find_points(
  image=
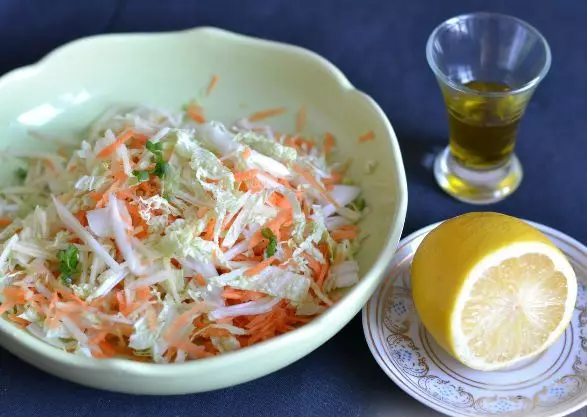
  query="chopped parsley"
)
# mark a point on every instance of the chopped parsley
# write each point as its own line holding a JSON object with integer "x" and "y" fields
{"x": 21, "y": 174}
{"x": 161, "y": 167}
{"x": 272, "y": 246}
{"x": 154, "y": 147}
{"x": 359, "y": 204}
{"x": 141, "y": 175}
{"x": 68, "y": 263}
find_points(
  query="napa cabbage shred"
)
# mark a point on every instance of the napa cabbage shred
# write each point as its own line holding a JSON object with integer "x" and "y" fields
{"x": 165, "y": 237}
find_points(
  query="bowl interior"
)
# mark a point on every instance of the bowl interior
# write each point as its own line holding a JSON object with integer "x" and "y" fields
{"x": 62, "y": 94}
{"x": 62, "y": 100}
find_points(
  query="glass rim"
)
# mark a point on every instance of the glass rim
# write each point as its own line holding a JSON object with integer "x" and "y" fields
{"x": 464, "y": 89}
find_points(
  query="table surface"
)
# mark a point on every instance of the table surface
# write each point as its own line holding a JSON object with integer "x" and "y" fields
{"x": 379, "y": 45}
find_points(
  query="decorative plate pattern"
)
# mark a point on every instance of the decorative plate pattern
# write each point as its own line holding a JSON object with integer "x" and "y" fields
{"x": 551, "y": 385}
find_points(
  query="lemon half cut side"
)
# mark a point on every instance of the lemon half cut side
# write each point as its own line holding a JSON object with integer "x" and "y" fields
{"x": 492, "y": 290}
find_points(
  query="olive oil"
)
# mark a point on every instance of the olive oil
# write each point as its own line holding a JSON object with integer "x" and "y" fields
{"x": 483, "y": 128}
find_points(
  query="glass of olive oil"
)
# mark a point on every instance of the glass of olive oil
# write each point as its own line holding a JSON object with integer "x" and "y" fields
{"x": 488, "y": 66}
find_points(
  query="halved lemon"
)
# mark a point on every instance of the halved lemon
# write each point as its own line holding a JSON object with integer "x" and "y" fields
{"x": 492, "y": 290}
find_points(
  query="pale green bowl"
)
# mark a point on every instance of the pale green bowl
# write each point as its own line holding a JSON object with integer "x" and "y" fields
{"x": 66, "y": 90}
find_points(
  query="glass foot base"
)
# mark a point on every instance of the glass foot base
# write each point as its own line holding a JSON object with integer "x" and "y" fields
{"x": 477, "y": 186}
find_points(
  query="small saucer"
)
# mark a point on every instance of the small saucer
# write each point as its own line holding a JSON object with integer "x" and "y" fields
{"x": 551, "y": 385}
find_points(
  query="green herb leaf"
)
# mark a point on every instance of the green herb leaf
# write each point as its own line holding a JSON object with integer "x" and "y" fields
{"x": 141, "y": 175}
{"x": 272, "y": 246}
{"x": 21, "y": 174}
{"x": 160, "y": 169}
{"x": 359, "y": 203}
{"x": 68, "y": 263}
{"x": 154, "y": 147}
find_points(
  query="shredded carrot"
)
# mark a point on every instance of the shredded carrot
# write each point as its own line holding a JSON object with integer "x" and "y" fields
{"x": 107, "y": 349}
{"x": 256, "y": 239}
{"x": 110, "y": 149}
{"x": 200, "y": 322}
{"x": 275, "y": 224}
{"x": 314, "y": 265}
{"x": 301, "y": 119}
{"x": 305, "y": 144}
{"x": 255, "y": 185}
{"x": 328, "y": 143}
{"x": 211, "y": 331}
{"x": 202, "y": 211}
{"x": 49, "y": 164}
{"x": 339, "y": 235}
{"x": 95, "y": 196}
{"x": 259, "y": 267}
{"x": 15, "y": 295}
{"x": 135, "y": 216}
{"x": 323, "y": 273}
{"x": 68, "y": 295}
{"x": 194, "y": 112}
{"x": 308, "y": 177}
{"x": 81, "y": 217}
{"x": 261, "y": 115}
{"x": 246, "y": 153}
{"x": 171, "y": 353}
{"x": 5, "y": 306}
{"x": 350, "y": 227}
{"x": 127, "y": 193}
{"x": 143, "y": 293}
{"x": 242, "y": 295}
{"x": 112, "y": 188}
{"x": 274, "y": 199}
{"x": 200, "y": 280}
{"x": 365, "y": 137}
{"x": 192, "y": 350}
{"x": 155, "y": 208}
{"x": 209, "y": 232}
{"x": 171, "y": 335}
{"x": 285, "y": 183}
{"x": 334, "y": 179}
{"x": 246, "y": 175}
{"x": 290, "y": 141}
{"x": 138, "y": 141}
{"x": 213, "y": 81}
{"x": 122, "y": 305}
{"x": 119, "y": 175}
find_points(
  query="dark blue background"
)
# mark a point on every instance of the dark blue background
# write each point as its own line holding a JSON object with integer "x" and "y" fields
{"x": 379, "y": 45}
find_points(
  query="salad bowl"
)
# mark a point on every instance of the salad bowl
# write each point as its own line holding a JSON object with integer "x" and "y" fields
{"x": 61, "y": 95}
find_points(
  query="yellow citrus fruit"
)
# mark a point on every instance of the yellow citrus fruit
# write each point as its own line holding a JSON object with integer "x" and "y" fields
{"x": 492, "y": 290}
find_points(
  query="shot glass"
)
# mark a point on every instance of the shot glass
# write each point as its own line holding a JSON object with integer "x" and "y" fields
{"x": 488, "y": 66}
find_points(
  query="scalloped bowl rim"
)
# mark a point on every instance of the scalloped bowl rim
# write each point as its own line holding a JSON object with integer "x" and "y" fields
{"x": 376, "y": 272}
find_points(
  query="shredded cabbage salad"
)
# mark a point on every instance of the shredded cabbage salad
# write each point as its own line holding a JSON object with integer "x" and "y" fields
{"x": 165, "y": 237}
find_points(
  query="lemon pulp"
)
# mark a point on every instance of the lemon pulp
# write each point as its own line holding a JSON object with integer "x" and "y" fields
{"x": 513, "y": 308}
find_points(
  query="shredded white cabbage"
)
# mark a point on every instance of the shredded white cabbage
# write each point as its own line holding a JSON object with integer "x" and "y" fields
{"x": 178, "y": 238}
